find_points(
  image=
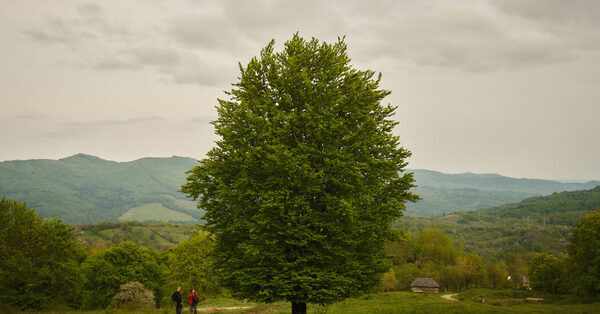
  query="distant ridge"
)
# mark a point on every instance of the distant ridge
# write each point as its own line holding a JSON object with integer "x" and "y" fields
{"x": 540, "y": 223}
{"x": 83, "y": 189}
{"x": 446, "y": 193}
{"x": 87, "y": 189}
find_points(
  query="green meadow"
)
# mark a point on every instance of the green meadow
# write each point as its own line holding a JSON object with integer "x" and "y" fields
{"x": 155, "y": 212}
{"x": 469, "y": 301}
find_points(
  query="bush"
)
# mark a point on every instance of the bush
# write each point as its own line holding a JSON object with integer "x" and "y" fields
{"x": 133, "y": 295}
{"x": 390, "y": 283}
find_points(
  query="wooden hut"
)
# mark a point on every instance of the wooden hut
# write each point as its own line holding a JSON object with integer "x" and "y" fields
{"x": 425, "y": 284}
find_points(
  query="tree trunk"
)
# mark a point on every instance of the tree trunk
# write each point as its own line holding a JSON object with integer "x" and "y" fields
{"x": 299, "y": 308}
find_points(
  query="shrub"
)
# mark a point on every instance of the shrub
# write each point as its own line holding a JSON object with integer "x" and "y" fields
{"x": 133, "y": 295}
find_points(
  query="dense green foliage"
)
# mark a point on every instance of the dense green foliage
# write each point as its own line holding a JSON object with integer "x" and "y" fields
{"x": 584, "y": 251}
{"x": 86, "y": 189}
{"x": 57, "y": 280}
{"x": 189, "y": 265}
{"x": 106, "y": 271}
{"x": 430, "y": 253}
{"x": 537, "y": 224}
{"x": 549, "y": 273}
{"x": 306, "y": 179}
{"x": 159, "y": 236}
{"x": 39, "y": 259}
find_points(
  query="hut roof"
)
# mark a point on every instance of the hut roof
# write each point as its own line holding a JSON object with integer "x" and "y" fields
{"x": 425, "y": 282}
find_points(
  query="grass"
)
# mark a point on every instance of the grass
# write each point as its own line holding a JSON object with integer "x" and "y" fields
{"x": 496, "y": 301}
{"x": 156, "y": 212}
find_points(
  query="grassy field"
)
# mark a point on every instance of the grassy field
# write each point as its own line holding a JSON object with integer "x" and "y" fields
{"x": 160, "y": 236}
{"x": 155, "y": 212}
{"x": 470, "y": 301}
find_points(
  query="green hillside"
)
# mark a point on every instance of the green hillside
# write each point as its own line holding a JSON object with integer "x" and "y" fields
{"x": 539, "y": 224}
{"x": 87, "y": 189}
{"x": 445, "y": 193}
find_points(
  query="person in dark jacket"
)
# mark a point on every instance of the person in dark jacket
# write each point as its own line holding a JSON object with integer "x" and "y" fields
{"x": 193, "y": 300}
{"x": 176, "y": 297}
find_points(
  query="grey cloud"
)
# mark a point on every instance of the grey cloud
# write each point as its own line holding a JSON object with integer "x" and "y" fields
{"x": 138, "y": 58}
{"x": 90, "y": 10}
{"x": 461, "y": 37}
{"x": 55, "y": 31}
{"x": 242, "y": 27}
{"x": 200, "y": 120}
{"x": 207, "y": 32}
{"x": 258, "y": 18}
{"x": 90, "y": 23}
{"x": 30, "y": 116}
{"x": 197, "y": 71}
{"x": 576, "y": 22}
{"x": 118, "y": 62}
{"x": 84, "y": 129}
{"x": 573, "y": 12}
{"x": 178, "y": 68}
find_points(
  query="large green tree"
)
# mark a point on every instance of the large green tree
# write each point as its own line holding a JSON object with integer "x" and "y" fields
{"x": 306, "y": 178}
{"x": 39, "y": 259}
{"x": 584, "y": 251}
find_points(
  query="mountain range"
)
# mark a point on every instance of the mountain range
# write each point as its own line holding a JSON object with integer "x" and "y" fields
{"x": 446, "y": 193}
{"x": 84, "y": 189}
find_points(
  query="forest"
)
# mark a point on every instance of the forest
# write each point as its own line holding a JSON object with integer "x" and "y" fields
{"x": 50, "y": 265}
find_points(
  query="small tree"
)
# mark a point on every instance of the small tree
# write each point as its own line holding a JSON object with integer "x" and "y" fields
{"x": 106, "y": 271}
{"x": 472, "y": 269}
{"x": 302, "y": 187}
{"x": 496, "y": 273}
{"x": 133, "y": 295}
{"x": 548, "y": 273}
{"x": 584, "y": 251}
{"x": 190, "y": 266}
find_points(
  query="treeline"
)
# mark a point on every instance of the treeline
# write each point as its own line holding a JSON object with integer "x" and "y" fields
{"x": 42, "y": 266}
{"x": 538, "y": 224}
{"x": 565, "y": 209}
{"x": 578, "y": 272}
{"x": 431, "y": 253}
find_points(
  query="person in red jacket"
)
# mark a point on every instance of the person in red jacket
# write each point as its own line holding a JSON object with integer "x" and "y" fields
{"x": 194, "y": 299}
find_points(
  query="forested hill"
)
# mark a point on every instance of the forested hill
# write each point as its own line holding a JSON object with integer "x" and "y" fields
{"x": 88, "y": 189}
{"x": 564, "y": 208}
{"x": 540, "y": 224}
{"x": 445, "y": 193}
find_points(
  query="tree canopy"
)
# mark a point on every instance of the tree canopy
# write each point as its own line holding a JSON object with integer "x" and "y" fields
{"x": 584, "y": 251}
{"x": 306, "y": 178}
{"x": 189, "y": 265}
{"x": 126, "y": 262}
{"x": 39, "y": 258}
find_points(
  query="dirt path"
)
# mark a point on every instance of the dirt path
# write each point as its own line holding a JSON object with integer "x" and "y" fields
{"x": 450, "y": 296}
{"x": 212, "y": 308}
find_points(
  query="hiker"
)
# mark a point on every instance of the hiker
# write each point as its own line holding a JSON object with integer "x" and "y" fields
{"x": 194, "y": 299}
{"x": 176, "y": 297}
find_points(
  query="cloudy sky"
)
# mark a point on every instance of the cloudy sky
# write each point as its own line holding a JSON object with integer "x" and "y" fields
{"x": 508, "y": 87}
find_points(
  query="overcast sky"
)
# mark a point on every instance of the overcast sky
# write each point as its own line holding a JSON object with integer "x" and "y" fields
{"x": 508, "y": 87}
